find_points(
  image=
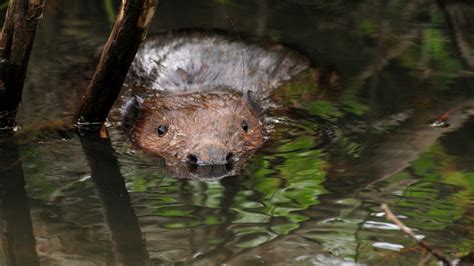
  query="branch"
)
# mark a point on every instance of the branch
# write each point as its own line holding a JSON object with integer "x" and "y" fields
{"x": 405, "y": 229}
{"x": 462, "y": 45}
{"x": 129, "y": 30}
{"x": 18, "y": 34}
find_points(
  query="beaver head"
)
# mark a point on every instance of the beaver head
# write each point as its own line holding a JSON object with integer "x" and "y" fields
{"x": 197, "y": 128}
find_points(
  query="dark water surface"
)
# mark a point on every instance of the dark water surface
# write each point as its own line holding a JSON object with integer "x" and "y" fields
{"x": 388, "y": 69}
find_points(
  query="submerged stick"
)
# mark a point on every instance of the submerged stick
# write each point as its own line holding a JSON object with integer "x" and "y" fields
{"x": 18, "y": 34}
{"x": 405, "y": 229}
{"x": 129, "y": 30}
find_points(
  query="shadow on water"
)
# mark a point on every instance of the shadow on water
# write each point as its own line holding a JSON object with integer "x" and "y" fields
{"x": 18, "y": 241}
{"x": 119, "y": 215}
{"x": 19, "y": 245}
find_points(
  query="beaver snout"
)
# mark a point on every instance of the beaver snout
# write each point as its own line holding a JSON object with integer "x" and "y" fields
{"x": 210, "y": 153}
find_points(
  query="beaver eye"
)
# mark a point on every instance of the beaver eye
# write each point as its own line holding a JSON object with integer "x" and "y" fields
{"x": 161, "y": 130}
{"x": 245, "y": 126}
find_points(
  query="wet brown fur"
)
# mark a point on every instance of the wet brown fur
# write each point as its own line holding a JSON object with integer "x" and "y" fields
{"x": 197, "y": 122}
{"x": 203, "y": 86}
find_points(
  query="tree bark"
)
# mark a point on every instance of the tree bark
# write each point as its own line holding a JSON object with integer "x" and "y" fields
{"x": 18, "y": 35}
{"x": 129, "y": 30}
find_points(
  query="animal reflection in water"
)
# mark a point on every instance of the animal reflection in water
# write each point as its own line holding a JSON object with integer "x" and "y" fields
{"x": 198, "y": 99}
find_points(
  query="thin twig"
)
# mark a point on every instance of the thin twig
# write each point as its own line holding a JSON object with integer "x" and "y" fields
{"x": 405, "y": 229}
{"x": 424, "y": 258}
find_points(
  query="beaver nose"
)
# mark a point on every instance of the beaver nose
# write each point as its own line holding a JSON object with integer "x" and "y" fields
{"x": 210, "y": 154}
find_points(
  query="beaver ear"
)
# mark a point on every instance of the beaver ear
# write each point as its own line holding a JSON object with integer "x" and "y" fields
{"x": 131, "y": 112}
{"x": 249, "y": 97}
{"x": 134, "y": 104}
{"x": 184, "y": 76}
{"x": 139, "y": 101}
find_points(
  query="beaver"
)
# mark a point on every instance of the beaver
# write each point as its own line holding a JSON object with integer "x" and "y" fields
{"x": 198, "y": 98}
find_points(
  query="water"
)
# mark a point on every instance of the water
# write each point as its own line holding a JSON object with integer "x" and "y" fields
{"x": 356, "y": 136}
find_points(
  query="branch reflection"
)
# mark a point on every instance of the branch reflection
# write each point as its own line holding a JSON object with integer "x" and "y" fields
{"x": 119, "y": 214}
{"x": 18, "y": 240}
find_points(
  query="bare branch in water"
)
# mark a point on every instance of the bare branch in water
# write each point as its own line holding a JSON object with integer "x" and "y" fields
{"x": 405, "y": 229}
{"x": 18, "y": 34}
{"x": 129, "y": 30}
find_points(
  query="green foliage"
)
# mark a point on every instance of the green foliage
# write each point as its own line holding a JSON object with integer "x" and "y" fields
{"x": 443, "y": 60}
{"x": 349, "y": 146}
{"x": 223, "y": 2}
{"x": 368, "y": 26}
{"x": 324, "y": 109}
{"x": 4, "y": 4}
{"x": 35, "y": 168}
{"x": 354, "y": 105}
{"x": 109, "y": 10}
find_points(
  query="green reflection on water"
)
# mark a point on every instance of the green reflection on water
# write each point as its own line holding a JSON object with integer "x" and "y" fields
{"x": 436, "y": 206}
{"x": 270, "y": 199}
{"x": 3, "y": 5}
